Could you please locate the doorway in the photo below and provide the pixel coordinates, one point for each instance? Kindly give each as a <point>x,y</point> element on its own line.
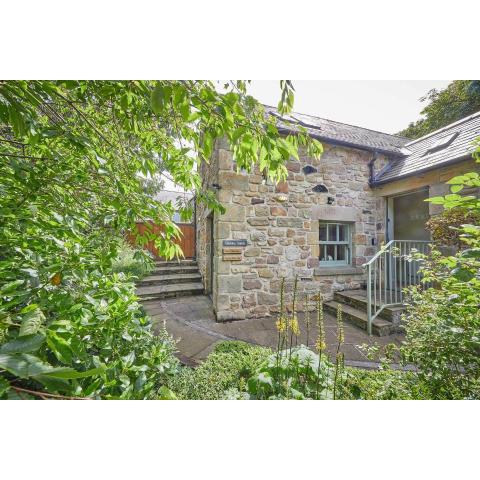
<point>407,215</point>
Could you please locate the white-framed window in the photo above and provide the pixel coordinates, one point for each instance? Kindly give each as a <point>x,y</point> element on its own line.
<point>335,240</point>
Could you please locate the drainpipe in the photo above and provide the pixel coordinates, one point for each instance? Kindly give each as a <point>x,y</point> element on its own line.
<point>371,164</point>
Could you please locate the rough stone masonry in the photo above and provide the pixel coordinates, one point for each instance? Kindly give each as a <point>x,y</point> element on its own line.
<point>280,224</point>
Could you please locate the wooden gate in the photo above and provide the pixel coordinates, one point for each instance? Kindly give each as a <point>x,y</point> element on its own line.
<point>186,241</point>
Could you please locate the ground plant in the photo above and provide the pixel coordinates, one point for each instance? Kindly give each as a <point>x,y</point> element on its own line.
<point>294,371</point>
<point>223,375</point>
<point>132,261</point>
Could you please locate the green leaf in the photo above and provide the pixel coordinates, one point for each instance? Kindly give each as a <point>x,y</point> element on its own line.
<point>129,359</point>
<point>70,373</point>
<point>32,322</point>
<point>458,180</point>
<point>11,286</point>
<point>159,97</point>
<point>463,274</point>
<point>24,365</point>
<point>26,344</point>
<point>164,393</point>
<point>436,200</point>
<point>54,384</point>
<point>471,253</point>
<point>60,347</point>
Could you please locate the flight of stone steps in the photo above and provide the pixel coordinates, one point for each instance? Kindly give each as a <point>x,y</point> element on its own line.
<point>354,307</point>
<point>171,279</point>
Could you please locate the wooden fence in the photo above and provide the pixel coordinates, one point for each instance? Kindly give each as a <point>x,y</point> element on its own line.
<point>186,241</point>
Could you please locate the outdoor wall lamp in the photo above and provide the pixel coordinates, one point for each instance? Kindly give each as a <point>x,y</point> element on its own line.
<point>330,200</point>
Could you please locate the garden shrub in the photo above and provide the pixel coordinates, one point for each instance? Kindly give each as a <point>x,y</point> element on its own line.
<point>133,261</point>
<point>445,228</point>
<point>227,368</point>
<point>91,339</point>
<point>443,333</point>
<point>382,384</point>
<point>443,322</point>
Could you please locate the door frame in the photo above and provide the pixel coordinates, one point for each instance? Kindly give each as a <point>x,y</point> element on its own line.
<point>210,252</point>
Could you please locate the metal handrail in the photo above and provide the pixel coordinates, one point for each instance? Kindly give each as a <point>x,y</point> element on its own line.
<point>382,249</point>
<point>389,271</point>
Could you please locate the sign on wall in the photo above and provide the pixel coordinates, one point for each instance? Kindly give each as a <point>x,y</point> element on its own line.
<point>235,243</point>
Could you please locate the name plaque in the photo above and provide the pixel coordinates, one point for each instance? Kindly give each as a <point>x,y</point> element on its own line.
<point>235,243</point>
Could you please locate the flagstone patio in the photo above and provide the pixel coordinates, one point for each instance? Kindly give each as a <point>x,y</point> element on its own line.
<point>191,321</point>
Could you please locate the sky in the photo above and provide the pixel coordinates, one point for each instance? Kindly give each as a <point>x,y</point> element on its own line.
<point>384,105</point>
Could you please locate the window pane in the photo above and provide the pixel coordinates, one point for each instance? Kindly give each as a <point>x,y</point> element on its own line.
<point>342,252</point>
<point>323,233</point>
<point>330,252</point>
<point>342,233</point>
<point>332,232</point>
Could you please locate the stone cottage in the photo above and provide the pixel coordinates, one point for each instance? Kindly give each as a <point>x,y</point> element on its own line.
<point>327,219</point>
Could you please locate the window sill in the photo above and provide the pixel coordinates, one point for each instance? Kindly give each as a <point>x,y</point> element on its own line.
<point>329,271</point>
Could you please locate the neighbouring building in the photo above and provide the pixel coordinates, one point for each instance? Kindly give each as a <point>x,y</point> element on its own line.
<point>328,218</point>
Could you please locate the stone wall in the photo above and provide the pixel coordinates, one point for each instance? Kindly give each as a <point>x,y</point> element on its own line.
<point>281,226</point>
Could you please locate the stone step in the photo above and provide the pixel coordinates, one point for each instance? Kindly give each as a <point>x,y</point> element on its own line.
<point>155,292</point>
<point>170,279</point>
<point>380,327</point>
<point>358,300</point>
<point>174,270</point>
<point>175,263</point>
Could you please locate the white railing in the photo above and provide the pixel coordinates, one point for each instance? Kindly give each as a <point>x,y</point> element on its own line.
<point>389,272</point>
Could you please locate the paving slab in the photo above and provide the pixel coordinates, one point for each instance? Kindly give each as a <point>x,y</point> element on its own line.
<point>191,321</point>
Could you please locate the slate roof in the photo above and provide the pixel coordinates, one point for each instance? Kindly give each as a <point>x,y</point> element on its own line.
<point>422,154</point>
<point>340,133</point>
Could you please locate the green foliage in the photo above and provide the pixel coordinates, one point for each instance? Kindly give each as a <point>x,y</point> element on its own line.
<point>460,99</point>
<point>78,162</point>
<point>443,322</point>
<point>132,261</point>
<point>443,328</point>
<point>445,228</point>
<point>93,341</point>
<point>383,384</point>
<point>227,368</point>
<point>240,371</point>
<point>296,374</point>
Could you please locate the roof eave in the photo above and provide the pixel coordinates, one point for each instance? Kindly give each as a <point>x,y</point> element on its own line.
<point>377,183</point>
